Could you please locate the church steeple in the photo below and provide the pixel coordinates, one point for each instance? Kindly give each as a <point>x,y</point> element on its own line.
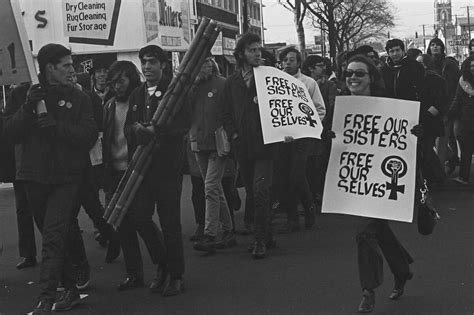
<point>443,14</point>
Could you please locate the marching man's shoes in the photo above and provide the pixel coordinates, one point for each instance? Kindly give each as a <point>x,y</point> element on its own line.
<point>26,263</point>
<point>368,301</point>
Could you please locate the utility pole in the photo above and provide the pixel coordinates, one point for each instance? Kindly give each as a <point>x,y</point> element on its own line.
<point>468,22</point>
<point>424,41</point>
<point>424,35</point>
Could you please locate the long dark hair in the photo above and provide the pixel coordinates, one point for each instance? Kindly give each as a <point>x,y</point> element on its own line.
<point>124,67</point>
<point>377,86</point>
<point>466,70</point>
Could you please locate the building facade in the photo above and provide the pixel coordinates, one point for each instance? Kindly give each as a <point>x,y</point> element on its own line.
<point>235,17</point>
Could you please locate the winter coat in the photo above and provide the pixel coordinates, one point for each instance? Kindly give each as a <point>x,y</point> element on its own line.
<point>434,94</point>
<point>240,117</point>
<point>449,70</point>
<point>205,112</point>
<point>54,155</point>
<point>404,80</point>
<point>463,106</point>
<point>168,155</point>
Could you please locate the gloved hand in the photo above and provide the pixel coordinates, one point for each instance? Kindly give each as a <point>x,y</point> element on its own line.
<point>288,139</point>
<point>418,131</point>
<point>143,133</point>
<point>328,134</point>
<point>46,120</point>
<point>35,94</point>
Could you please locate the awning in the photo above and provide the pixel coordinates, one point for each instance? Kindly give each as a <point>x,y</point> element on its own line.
<point>230,59</point>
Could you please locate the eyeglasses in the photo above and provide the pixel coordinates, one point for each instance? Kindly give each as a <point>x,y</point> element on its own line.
<point>321,65</point>
<point>358,73</point>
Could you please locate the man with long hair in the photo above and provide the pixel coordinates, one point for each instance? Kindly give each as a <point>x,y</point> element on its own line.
<point>241,120</point>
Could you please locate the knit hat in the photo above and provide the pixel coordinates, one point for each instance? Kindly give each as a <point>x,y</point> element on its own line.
<point>51,53</point>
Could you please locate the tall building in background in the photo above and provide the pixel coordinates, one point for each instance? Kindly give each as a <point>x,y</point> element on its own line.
<point>443,23</point>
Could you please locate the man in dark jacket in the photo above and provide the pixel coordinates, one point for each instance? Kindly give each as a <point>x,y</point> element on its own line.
<point>54,129</point>
<point>162,183</point>
<point>403,77</point>
<point>241,120</point>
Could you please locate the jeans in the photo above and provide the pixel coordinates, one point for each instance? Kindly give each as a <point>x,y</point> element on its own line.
<point>56,219</point>
<point>293,159</point>
<point>257,176</point>
<point>137,220</point>
<point>374,240</point>
<point>212,169</point>
<point>24,217</point>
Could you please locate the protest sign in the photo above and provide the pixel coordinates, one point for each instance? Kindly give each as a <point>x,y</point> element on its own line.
<point>285,106</point>
<point>372,167</point>
<point>91,22</point>
<point>16,60</point>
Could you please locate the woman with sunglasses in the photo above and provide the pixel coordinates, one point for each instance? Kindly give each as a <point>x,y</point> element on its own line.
<point>375,238</point>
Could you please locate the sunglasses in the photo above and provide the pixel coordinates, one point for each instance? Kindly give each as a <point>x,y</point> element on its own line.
<point>358,73</point>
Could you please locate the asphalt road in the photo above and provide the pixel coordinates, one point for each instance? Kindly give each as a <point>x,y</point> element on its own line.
<point>311,272</point>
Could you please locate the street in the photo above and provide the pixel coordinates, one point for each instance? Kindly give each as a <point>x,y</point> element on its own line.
<point>311,272</point>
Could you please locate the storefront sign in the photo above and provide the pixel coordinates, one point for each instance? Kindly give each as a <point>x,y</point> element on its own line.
<point>90,22</point>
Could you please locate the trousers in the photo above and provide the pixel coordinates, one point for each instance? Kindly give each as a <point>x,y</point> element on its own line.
<point>56,219</point>
<point>257,176</point>
<point>217,210</point>
<point>24,217</point>
<point>375,240</point>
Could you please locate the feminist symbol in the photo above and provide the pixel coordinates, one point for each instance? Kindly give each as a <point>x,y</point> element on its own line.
<point>394,167</point>
<point>309,112</point>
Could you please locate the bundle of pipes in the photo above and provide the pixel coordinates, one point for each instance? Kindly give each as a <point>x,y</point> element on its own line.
<point>165,114</point>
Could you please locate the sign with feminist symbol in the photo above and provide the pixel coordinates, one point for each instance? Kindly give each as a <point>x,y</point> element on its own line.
<point>285,106</point>
<point>16,60</point>
<point>372,168</point>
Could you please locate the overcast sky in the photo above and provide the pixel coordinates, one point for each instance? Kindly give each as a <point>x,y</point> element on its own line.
<point>411,14</point>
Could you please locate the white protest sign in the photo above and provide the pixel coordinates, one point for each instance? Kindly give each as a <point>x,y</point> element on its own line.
<point>285,106</point>
<point>91,22</point>
<point>372,168</point>
<point>16,60</point>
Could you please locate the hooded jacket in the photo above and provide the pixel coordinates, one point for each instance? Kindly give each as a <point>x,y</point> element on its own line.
<point>403,80</point>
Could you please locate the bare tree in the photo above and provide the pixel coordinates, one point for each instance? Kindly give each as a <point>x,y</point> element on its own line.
<point>299,13</point>
<point>349,22</point>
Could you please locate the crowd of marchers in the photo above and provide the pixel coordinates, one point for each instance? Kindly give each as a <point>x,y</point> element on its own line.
<point>71,135</point>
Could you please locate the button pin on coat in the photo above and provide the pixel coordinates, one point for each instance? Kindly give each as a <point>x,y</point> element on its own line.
<point>61,103</point>
<point>69,105</point>
<point>158,93</point>
<point>210,94</point>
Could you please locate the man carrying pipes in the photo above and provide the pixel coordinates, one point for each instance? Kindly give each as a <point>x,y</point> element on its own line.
<point>162,182</point>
